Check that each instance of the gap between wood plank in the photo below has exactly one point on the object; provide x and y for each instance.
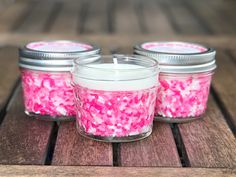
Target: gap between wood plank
(195, 14)
(51, 143)
(23, 139)
(116, 154)
(180, 146)
(169, 16)
(83, 13)
(8, 101)
(52, 17)
(223, 110)
(22, 17)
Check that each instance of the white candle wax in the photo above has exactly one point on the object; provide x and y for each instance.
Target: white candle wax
(115, 77)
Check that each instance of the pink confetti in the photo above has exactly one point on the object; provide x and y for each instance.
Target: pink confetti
(182, 97)
(48, 93)
(115, 113)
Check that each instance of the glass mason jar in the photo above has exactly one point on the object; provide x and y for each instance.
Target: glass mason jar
(115, 97)
(46, 79)
(186, 71)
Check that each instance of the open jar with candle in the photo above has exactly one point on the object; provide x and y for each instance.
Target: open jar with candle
(46, 79)
(115, 96)
(186, 71)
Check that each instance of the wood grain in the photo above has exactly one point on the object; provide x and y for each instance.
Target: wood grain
(9, 73)
(209, 142)
(79, 150)
(23, 140)
(69, 171)
(182, 18)
(73, 149)
(155, 20)
(126, 19)
(212, 18)
(11, 15)
(224, 12)
(96, 19)
(158, 149)
(67, 20)
(224, 82)
(124, 40)
(36, 20)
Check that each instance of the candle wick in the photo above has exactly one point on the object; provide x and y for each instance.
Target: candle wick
(115, 61)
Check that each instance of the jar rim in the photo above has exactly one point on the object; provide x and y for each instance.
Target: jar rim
(178, 58)
(179, 62)
(59, 60)
(128, 57)
(116, 67)
(27, 52)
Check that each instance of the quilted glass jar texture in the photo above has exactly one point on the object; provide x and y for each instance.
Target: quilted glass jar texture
(115, 97)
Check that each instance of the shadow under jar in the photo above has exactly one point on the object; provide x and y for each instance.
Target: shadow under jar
(46, 79)
(115, 97)
(186, 71)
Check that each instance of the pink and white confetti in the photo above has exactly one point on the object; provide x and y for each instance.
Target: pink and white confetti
(49, 94)
(182, 96)
(115, 113)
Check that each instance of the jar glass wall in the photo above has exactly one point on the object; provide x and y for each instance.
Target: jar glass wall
(46, 77)
(186, 71)
(182, 97)
(48, 95)
(115, 97)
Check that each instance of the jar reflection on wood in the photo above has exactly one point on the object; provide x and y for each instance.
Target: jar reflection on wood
(186, 71)
(46, 80)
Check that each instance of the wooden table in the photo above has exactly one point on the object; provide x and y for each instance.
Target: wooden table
(206, 147)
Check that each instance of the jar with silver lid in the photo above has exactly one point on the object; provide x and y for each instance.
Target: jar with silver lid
(186, 71)
(46, 79)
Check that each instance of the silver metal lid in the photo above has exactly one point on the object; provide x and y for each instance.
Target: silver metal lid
(179, 57)
(54, 55)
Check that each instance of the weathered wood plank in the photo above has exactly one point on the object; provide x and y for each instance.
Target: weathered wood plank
(96, 19)
(126, 20)
(224, 83)
(67, 171)
(36, 20)
(9, 73)
(80, 150)
(158, 149)
(225, 11)
(209, 142)
(124, 40)
(68, 19)
(155, 20)
(212, 18)
(184, 20)
(73, 149)
(11, 16)
(23, 140)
